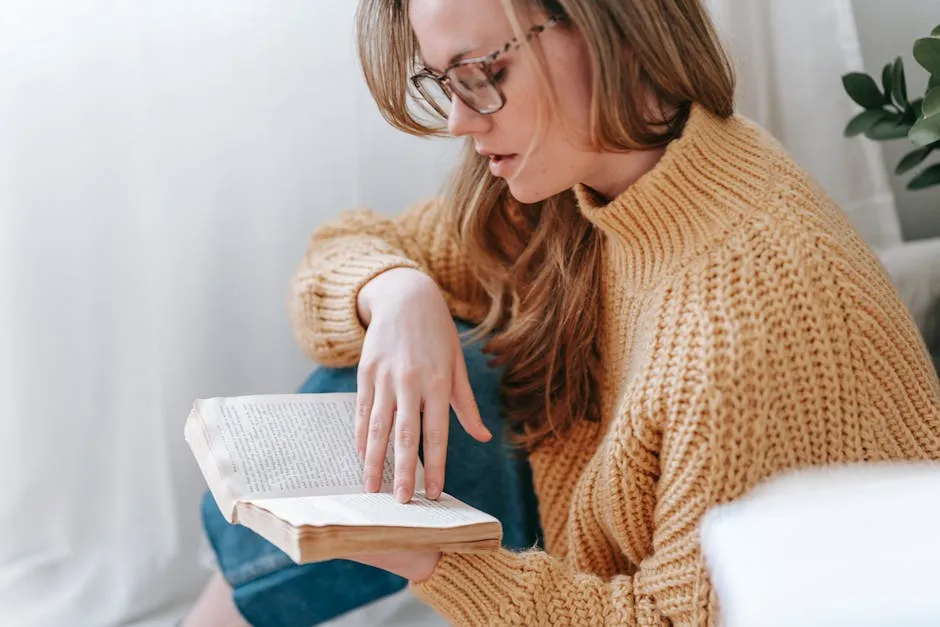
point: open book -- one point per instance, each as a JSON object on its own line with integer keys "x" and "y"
{"x": 286, "y": 467}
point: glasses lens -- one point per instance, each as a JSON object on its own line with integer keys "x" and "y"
{"x": 472, "y": 83}
{"x": 434, "y": 95}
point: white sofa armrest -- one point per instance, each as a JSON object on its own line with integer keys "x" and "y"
{"x": 793, "y": 552}
{"x": 915, "y": 269}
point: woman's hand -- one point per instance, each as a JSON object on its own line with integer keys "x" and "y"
{"x": 414, "y": 566}
{"x": 412, "y": 361}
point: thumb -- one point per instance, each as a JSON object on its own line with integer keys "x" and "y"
{"x": 465, "y": 405}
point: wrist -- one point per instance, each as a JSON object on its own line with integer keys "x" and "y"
{"x": 389, "y": 288}
{"x": 423, "y": 568}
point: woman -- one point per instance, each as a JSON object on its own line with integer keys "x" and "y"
{"x": 679, "y": 311}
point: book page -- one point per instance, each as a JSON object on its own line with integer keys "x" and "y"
{"x": 378, "y": 509}
{"x": 288, "y": 445}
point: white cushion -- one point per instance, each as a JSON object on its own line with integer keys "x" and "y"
{"x": 858, "y": 547}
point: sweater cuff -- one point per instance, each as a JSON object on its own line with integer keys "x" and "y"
{"x": 341, "y": 331}
{"x": 474, "y": 588}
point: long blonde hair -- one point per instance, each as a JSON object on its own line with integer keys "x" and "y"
{"x": 540, "y": 263}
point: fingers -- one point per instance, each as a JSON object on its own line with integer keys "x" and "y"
{"x": 465, "y": 405}
{"x": 365, "y": 392}
{"x": 407, "y": 430}
{"x": 380, "y": 424}
{"x": 394, "y": 387}
{"x": 436, "y": 423}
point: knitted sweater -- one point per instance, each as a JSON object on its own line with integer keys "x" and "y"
{"x": 746, "y": 329}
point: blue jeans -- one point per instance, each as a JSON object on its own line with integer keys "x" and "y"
{"x": 270, "y": 590}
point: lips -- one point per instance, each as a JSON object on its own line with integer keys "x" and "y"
{"x": 503, "y": 166}
{"x": 493, "y": 155}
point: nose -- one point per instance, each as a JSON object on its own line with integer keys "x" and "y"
{"x": 463, "y": 121}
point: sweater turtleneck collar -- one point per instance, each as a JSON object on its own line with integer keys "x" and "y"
{"x": 710, "y": 177}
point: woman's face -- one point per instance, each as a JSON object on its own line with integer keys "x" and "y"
{"x": 557, "y": 157}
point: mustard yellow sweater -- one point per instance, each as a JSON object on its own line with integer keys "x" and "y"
{"x": 747, "y": 331}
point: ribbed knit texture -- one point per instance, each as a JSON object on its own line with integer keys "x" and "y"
{"x": 747, "y": 331}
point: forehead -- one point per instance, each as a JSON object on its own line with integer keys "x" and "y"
{"x": 447, "y": 28}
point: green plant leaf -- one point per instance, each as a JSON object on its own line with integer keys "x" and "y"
{"x": 927, "y": 178}
{"x": 887, "y": 80}
{"x": 927, "y": 53}
{"x": 932, "y": 103}
{"x": 934, "y": 81}
{"x": 926, "y": 131}
{"x": 863, "y": 121}
{"x": 899, "y": 84}
{"x": 918, "y": 107}
{"x": 863, "y": 90}
{"x": 913, "y": 159}
{"x": 936, "y": 32}
{"x": 889, "y": 127}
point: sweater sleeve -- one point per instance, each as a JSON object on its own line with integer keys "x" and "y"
{"x": 345, "y": 254}
{"x": 536, "y": 588}
{"x": 530, "y": 588}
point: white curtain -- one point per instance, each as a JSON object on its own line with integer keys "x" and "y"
{"x": 161, "y": 164}
{"x": 790, "y": 56}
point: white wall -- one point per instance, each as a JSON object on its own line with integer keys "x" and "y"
{"x": 888, "y": 29}
{"x": 161, "y": 167}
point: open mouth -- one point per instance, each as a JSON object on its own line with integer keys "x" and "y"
{"x": 501, "y": 165}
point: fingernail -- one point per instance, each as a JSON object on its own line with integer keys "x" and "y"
{"x": 432, "y": 491}
{"x": 368, "y": 484}
{"x": 400, "y": 494}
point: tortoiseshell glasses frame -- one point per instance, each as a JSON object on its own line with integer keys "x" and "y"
{"x": 472, "y": 80}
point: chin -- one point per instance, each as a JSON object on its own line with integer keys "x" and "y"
{"x": 528, "y": 194}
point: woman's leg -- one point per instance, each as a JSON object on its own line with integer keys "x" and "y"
{"x": 215, "y": 607}
{"x": 270, "y": 590}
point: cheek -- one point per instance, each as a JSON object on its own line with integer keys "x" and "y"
{"x": 574, "y": 110}
{"x": 570, "y": 70}
{"x": 560, "y": 159}
{"x": 517, "y": 123}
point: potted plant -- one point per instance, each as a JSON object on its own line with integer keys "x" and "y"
{"x": 889, "y": 114}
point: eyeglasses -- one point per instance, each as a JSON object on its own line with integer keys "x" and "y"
{"x": 471, "y": 80}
